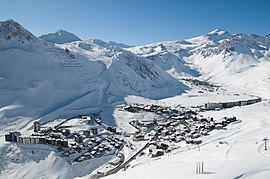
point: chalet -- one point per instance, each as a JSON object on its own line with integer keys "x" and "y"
{"x": 101, "y": 149}
{"x": 196, "y": 135}
{"x": 94, "y": 131}
{"x": 204, "y": 120}
{"x": 77, "y": 149}
{"x": 65, "y": 132}
{"x": 111, "y": 129}
{"x": 218, "y": 126}
{"x": 232, "y": 119}
{"x": 204, "y": 132}
{"x": 171, "y": 129}
{"x": 108, "y": 147}
{"x": 163, "y": 146}
{"x": 178, "y": 139}
{"x": 93, "y": 140}
{"x": 157, "y": 153}
{"x": 98, "y": 121}
{"x": 86, "y": 133}
{"x": 150, "y": 124}
{"x": 197, "y": 141}
{"x": 147, "y": 108}
{"x": 84, "y": 117}
{"x": 138, "y": 137}
{"x": 98, "y": 154}
{"x": 164, "y": 132}
{"x": 98, "y": 139}
{"x": 118, "y": 145}
{"x": 177, "y": 117}
{"x": 78, "y": 138}
{"x": 189, "y": 141}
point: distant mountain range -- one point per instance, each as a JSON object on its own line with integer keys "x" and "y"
{"x": 237, "y": 61}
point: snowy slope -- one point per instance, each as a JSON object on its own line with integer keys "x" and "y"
{"x": 41, "y": 161}
{"x": 60, "y": 37}
{"x": 171, "y": 55}
{"x": 237, "y": 61}
{"x": 71, "y": 79}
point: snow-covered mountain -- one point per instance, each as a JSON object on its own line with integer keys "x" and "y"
{"x": 41, "y": 79}
{"x": 81, "y": 75}
{"x": 13, "y": 35}
{"x": 60, "y": 37}
{"x": 239, "y": 61}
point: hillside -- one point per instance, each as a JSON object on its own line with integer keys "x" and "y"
{"x": 237, "y": 61}
{"x": 42, "y": 79}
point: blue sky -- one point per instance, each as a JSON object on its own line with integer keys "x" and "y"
{"x": 139, "y": 21}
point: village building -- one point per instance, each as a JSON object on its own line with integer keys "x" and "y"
{"x": 94, "y": 131}
{"x": 8, "y": 137}
{"x": 12, "y": 136}
{"x": 164, "y": 132}
{"x": 86, "y": 133}
{"x": 36, "y": 126}
{"x": 138, "y": 137}
{"x": 157, "y": 153}
{"x": 78, "y": 139}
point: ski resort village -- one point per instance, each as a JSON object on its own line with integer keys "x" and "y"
{"x": 162, "y": 131}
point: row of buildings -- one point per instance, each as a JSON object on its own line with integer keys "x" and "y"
{"x": 222, "y": 105}
{"x": 78, "y": 138}
{"x": 56, "y": 136}
{"x": 35, "y": 139}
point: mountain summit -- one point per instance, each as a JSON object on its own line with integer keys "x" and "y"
{"x": 218, "y": 34}
{"x": 60, "y": 37}
{"x": 10, "y": 30}
{"x": 13, "y": 35}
